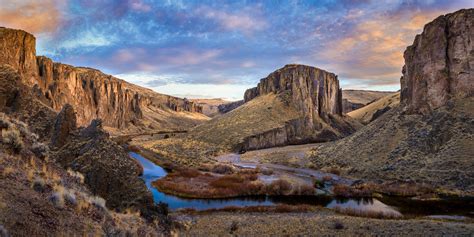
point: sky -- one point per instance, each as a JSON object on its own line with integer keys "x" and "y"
{"x": 218, "y": 49}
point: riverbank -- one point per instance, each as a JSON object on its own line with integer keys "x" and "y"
{"x": 319, "y": 223}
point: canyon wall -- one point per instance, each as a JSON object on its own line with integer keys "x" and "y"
{"x": 315, "y": 94}
{"x": 94, "y": 94}
{"x": 312, "y": 91}
{"x": 440, "y": 63}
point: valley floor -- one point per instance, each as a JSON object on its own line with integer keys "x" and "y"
{"x": 323, "y": 222}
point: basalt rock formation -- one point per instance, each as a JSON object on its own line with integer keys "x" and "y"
{"x": 315, "y": 94}
{"x": 296, "y": 104}
{"x": 440, "y": 63}
{"x": 119, "y": 104}
{"x": 428, "y": 138}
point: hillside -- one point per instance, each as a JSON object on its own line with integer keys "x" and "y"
{"x": 355, "y": 99}
{"x": 56, "y": 176}
{"x": 375, "y": 109}
{"x": 124, "y": 107}
{"x": 296, "y": 104}
{"x": 428, "y": 138}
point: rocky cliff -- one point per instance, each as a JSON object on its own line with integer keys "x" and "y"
{"x": 428, "y": 138}
{"x": 94, "y": 94}
{"x": 315, "y": 94}
{"x": 313, "y": 91}
{"x": 440, "y": 63}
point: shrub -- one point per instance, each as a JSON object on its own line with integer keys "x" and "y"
{"x": 337, "y": 225}
{"x": 39, "y": 184}
{"x": 233, "y": 227}
{"x": 40, "y": 149}
{"x": 334, "y": 170}
{"x": 12, "y": 137}
{"x": 327, "y": 178}
{"x": 318, "y": 184}
{"x": 8, "y": 170}
{"x": 279, "y": 187}
{"x": 341, "y": 190}
{"x": 77, "y": 175}
{"x": 57, "y": 199}
{"x": 70, "y": 197}
{"x": 187, "y": 173}
{"x": 222, "y": 169}
{"x": 305, "y": 190}
{"x": 368, "y": 213}
{"x": 267, "y": 171}
{"x": 98, "y": 202}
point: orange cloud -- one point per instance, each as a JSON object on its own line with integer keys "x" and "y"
{"x": 374, "y": 48}
{"x": 31, "y": 15}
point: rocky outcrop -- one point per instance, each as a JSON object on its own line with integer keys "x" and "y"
{"x": 313, "y": 91}
{"x": 17, "y": 49}
{"x": 97, "y": 95}
{"x": 348, "y": 106}
{"x": 440, "y": 63}
{"x": 108, "y": 169}
{"x": 315, "y": 94}
{"x": 94, "y": 94}
{"x": 64, "y": 125}
{"x": 227, "y": 107}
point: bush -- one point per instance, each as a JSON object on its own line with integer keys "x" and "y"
{"x": 70, "y": 197}
{"x": 57, "y": 199}
{"x": 12, "y": 137}
{"x": 337, "y": 225}
{"x": 98, "y": 202}
{"x": 318, "y": 184}
{"x": 187, "y": 173}
{"x": 77, "y": 175}
{"x": 39, "y": 184}
{"x": 279, "y": 187}
{"x": 334, "y": 170}
{"x": 222, "y": 169}
{"x": 40, "y": 149}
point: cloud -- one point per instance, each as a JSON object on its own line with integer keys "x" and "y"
{"x": 240, "y": 21}
{"x": 32, "y": 15}
{"x": 374, "y": 48}
{"x": 139, "y": 5}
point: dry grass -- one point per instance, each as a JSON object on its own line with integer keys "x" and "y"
{"x": 77, "y": 175}
{"x": 368, "y": 213}
{"x": 12, "y": 137}
{"x": 280, "y": 208}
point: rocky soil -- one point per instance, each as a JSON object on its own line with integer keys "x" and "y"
{"x": 40, "y": 198}
{"x": 34, "y": 141}
{"x": 317, "y": 223}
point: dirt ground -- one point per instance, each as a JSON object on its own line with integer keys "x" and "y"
{"x": 320, "y": 223}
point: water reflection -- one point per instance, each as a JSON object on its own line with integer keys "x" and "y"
{"x": 152, "y": 172}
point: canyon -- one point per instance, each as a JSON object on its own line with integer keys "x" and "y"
{"x": 124, "y": 107}
{"x": 70, "y": 138}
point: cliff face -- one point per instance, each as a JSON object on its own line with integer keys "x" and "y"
{"x": 17, "y": 49}
{"x": 428, "y": 138}
{"x": 94, "y": 94}
{"x": 294, "y": 105}
{"x": 440, "y": 63}
{"x": 313, "y": 91}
